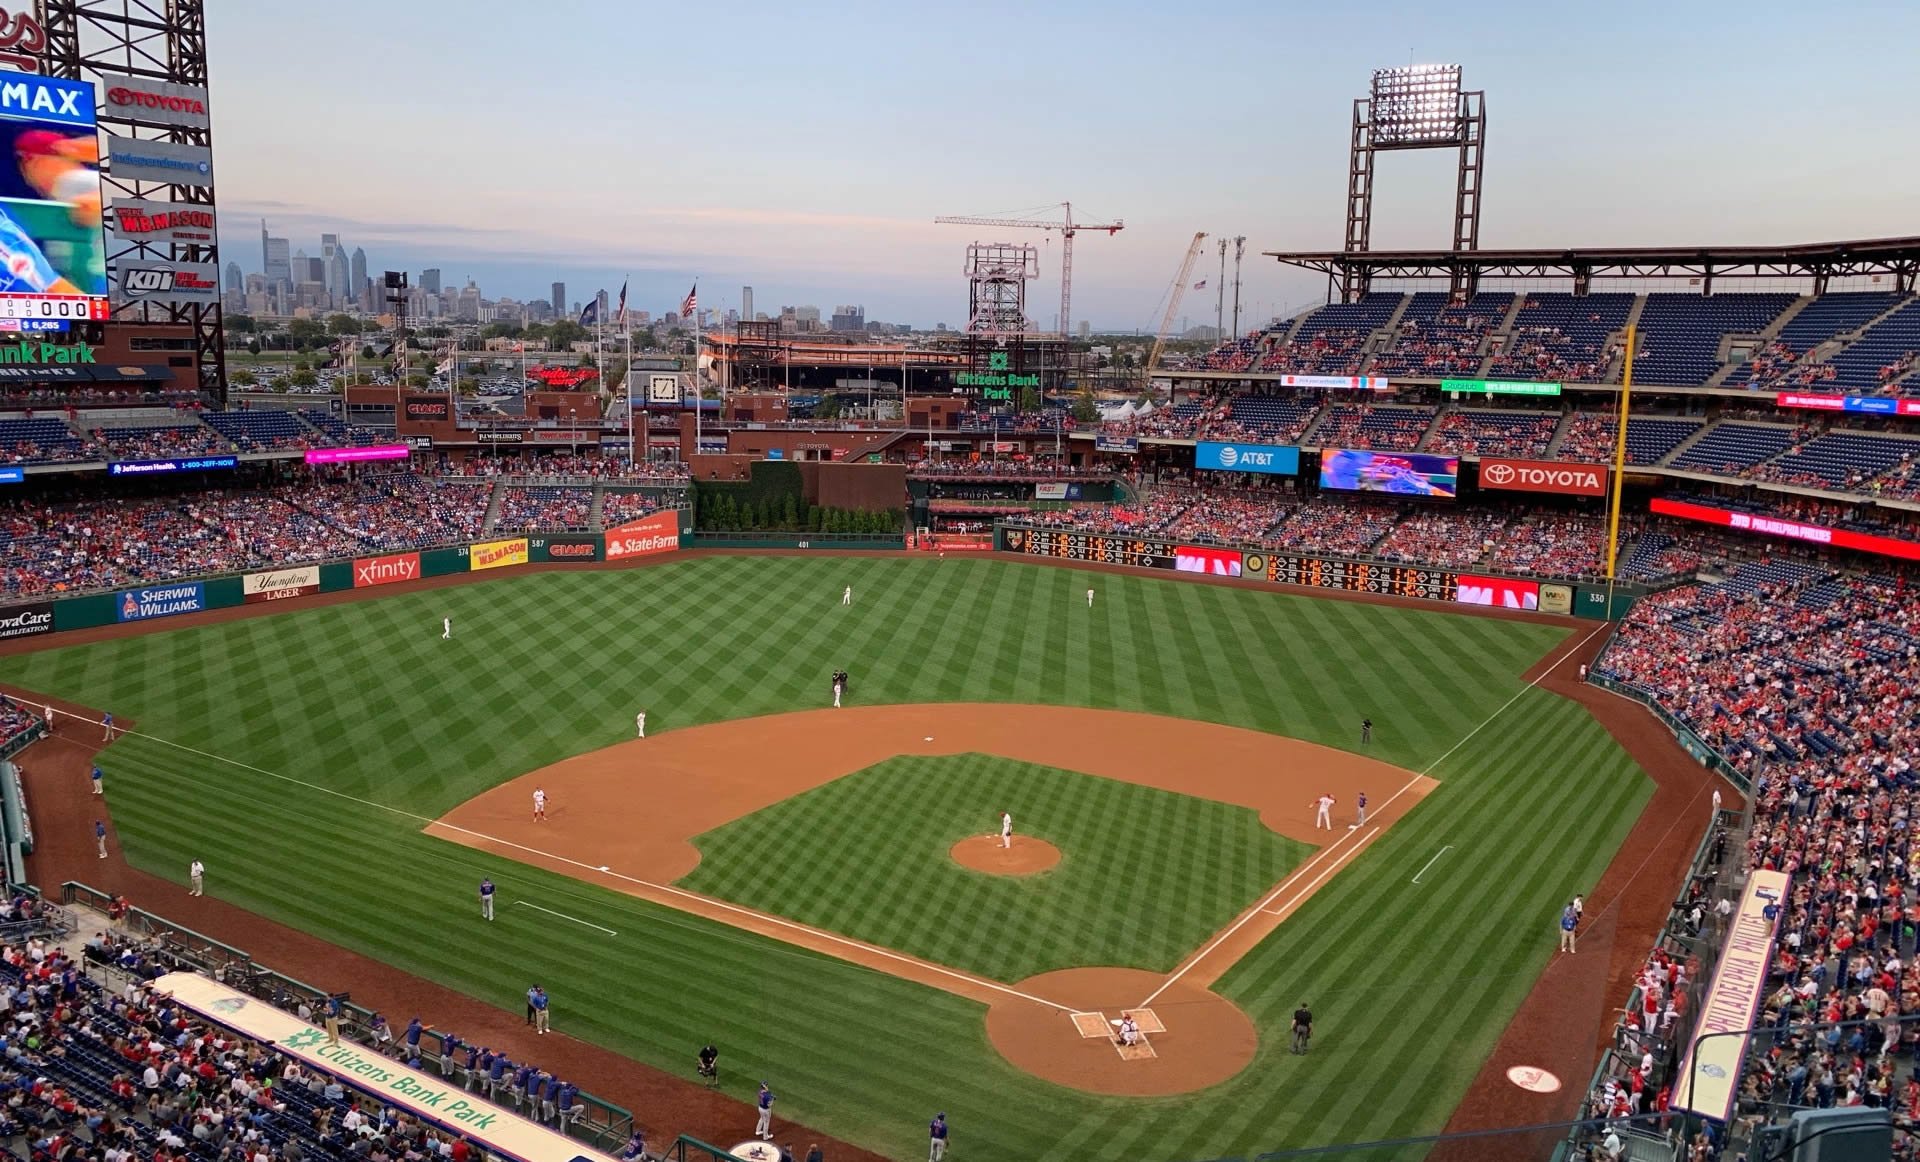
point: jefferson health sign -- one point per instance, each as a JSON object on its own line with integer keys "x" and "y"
{"x": 1543, "y": 476}
{"x": 161, "y": 601}
{"x": 1272, "y": 459}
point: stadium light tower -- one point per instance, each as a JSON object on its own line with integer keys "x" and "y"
{"x": 1415, "y": 107}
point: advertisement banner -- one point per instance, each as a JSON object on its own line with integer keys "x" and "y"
{"x": 426, "y": 407}
{"x": 1543, "y": 476}
{"x": 1338, "y": 382}
{"x": 1360, "y": 576}
{"x": 279, "y": 584}
{"x": 566, "y": 547}
{"x": 1499, "y": 387}
{"x": 1790, "y": 529}
{"x": 386, "y": 570}
{"x": 1050, "y": 491}
{"x": 161, "y": 601}
{"x": 425, "y": 1096}
{"x": 159, "y": 161}
{"x": 499, "y": 437}
{"x": 151, "y": 102}
{"x": 1270, "y": 459}
{"x": 1401, "y": 473}
{"x": 1116, "y": 443}
{"x": 1709, "y": 1074}
{"x": 497, "y": 554}
{"x": 356, "y": 455}
{"x": 173, "y": 283}
{"x": 155, "y": 467}
{"x": 1871, "y": 404}
{"x": 29, "y": 620}
{"x": 138, "y": 220}
{"x": 657, "y": 533}
{"x": 13, "y": 475}
{"x": 1196, "y": 559}
{"x": 1556, "y": 599}
{"x": 1503, "y": 592}
{"x": 50, "y": 197}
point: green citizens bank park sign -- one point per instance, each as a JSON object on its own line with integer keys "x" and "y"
{"x": 41, "y": 353}
{"x": 999, "y": 382}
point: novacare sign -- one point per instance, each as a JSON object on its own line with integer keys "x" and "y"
{"x": 1272, "y": 459}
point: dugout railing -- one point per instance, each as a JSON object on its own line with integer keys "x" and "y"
{"x": 597, "y": 1121}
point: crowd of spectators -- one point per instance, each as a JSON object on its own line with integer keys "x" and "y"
{"x": 1453, "y": 538}
{"x": 1553, "y": 545}
{"x": 1230, "y": 520}
{"x": 1151, "y": 515}
{"x": 15, "y": 720}
{"x": 570, "y": 465}
{"x": 270, "y": 531}
{"x": 1479, "y": 433}
{"x": 1549, "y": 354}
{"x": 160, "y": 443}
{"x": 541, "y": 509}
{"x": 1330, "y": 351}
{"x": 617, "y": 508}
{"x": 1012, "y": 466}
{"x": 1384, "y": 429}
{"x": 1336, "y": 527}
{"x": 104, "y": 543}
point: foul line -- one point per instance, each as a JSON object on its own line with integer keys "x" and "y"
{"x": 564, "y": 916}
{"x": 1430, "y": 863}
{"x": 1261, "y": 907}
{"x": 1303, "y": 893}
{"x": 664, "y": 889}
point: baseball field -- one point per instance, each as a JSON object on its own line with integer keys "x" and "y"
{"x": 812, "y": 889}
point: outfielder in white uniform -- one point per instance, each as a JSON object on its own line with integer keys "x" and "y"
{"x": 836, "y": 694}
{"x": 446, "y": 628}
{"x": 1324, "y": 816}
{"x": 1006, "y": 829}
{"x": 1089, "y": 599}
{"x": 846, "y": 598}
{"x": 197, "y": 875}
{"x": 539, "y": 805}
{"x": 640, "y": 723}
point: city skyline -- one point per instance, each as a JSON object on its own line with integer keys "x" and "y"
{"x": 1667, "y": 138}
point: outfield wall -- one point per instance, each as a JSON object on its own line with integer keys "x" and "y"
{"x": 1253, "y": 565}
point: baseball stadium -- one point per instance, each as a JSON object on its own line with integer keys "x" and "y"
{"x": 1445, "y": 722}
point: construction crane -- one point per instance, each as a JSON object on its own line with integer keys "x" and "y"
{"x": 1067, "y": 227}
{"x": 1174, "y": 296}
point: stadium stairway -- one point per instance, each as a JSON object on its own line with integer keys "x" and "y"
{"x": 597, "y": 510}
{"x": 1559, "y": 434}
{"x": 1433, "y": 429}
{"x": 1766, "y": 335}
{"x": 1307, "y": 439}
{"x": 496, "y": 493}
{"x": 1681, "y": 448}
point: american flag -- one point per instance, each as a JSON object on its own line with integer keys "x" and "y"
{"x": 691, "y": 303}
{"x": 620, "y": 315}
{"x": 1201, "y": 285}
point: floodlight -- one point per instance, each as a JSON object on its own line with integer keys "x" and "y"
{"x": 1417, "y": 105}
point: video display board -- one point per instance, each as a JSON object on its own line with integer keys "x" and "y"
{"x": 52, "y": 246}
{"x": 1401, "y": 473}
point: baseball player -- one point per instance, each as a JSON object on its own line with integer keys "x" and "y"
{"x": 837, "y": 687}
{"x": 1366, "y": 731}
{"x": 640, "y": 724}
{"x": 1129, "y": 1030}
{"x": 486, "y": 898}
{"x": 539, "y": 805}
{"x": 1089, "y": 599}
{"x": 1323, "y": 817}
{"x": 937, "y": 1132}
{"x": 197, "y": 876}
{"x": 1006, "y": 829}
{"x": 764, "y": 1127}
{"x": 100, "y": 836}
{"x": 1360, "y": 811}
{"x": 106, "y": 727}
{"x": 537, "y": 997}
{"x": 846, "y": 596}
{"x": 98, "y": 780}
{"x": 1569, "y": 920}
{"x": 446, "y": 628}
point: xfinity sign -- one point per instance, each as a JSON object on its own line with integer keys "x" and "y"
{"x": 1271, "y": 459}
{"x": 1543, "y": 476}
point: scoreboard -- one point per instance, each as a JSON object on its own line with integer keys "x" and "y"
{"x": 1280, "y": 569}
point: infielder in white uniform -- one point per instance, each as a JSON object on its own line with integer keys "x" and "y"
{"x": 446, "y": 628}
{"x": 1006, "y": 829}
{"x": 640, "y": 723}
{"x": 539, "y": 805}
{"x": 1324, "y": 816}
{"x": 197, "y": 875}
{"x": 846, "y": 598}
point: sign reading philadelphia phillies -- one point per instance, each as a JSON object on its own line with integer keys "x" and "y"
{"x": 164, "y": 601}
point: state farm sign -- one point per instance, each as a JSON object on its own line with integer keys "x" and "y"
{"x": 659, "y": 533}
{"x": 1544, "y": 476}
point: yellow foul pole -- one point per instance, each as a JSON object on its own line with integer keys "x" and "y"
{"x": 1619, "y": 468}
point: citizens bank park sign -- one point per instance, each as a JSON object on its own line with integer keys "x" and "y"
{"x": 1543, "y": 476}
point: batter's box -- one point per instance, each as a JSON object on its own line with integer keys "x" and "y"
{"x": 1141, "y": 1050}
{"x": 1147, "y": 1019}
{"x": 1091, "y": 1024}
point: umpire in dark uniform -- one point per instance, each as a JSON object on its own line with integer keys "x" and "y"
{"x": 1302, "y": 1027}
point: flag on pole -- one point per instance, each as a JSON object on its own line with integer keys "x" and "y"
{"x": 620, "y": 315}
{"x": 1201, "y": 285}
{"x": 590, "y": 314}
{"x": 691, "y": 303}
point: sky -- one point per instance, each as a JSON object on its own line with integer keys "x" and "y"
{"x": 805, "y": 150}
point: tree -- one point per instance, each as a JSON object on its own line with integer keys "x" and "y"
{"x": 790, "y": 518}
{"x": 419, "y": 380}
{"x": 828, "y": 408}
{"x": 367, "y": 352}
{"x": 1029, "y": 400}
{"x": 241, "y": 323}
{"x": 500, "y": 330}
{"x": 342, "y": 324}
{"x": 469, "y": 385}
{"x": 243, "y": 378}
{"x": 303, "y": 379}
{"x": 253, "y": 346}
{"x": 306, "y": 334}
{"x": 564, "y": 333}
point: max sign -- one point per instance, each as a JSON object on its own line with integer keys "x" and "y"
{"x": 1543, "y": 476}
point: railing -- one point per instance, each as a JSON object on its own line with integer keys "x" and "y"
{"x": 596, "y": 1120}
{"x": 1689, "y": 741}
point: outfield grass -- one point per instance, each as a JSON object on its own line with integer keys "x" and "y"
{"x": 1411, "y": 984}
{"x": 1145, "y": 875}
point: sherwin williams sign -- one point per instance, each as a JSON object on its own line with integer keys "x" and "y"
{"x": 659, "y": 533}
{"x": 497, "y": 554}
{"x": 164, "y": 601}
{"x": 432, "y": 1099}
{"x": 1272, "y": 459}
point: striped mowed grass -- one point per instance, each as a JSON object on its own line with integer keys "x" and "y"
{"x": 300, "y": 754}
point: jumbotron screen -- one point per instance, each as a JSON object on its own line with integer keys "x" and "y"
{"x": 1402, "y": 473}
{"x": 52, "y": 252}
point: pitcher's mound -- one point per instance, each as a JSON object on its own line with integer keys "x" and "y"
{"x": 983, "y": 853}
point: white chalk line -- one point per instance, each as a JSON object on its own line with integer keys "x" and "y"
{"x": 1303, "y": 893}
{"x": 1430, "y": 863}
{"x": 1261, "y": 907}
{"x": 564, "y": 916}
{"x": 664, "y": 889}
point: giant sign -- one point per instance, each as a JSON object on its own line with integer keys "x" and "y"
{"x": 1709, "y": 1074}
{"x": 161, "y": 601}
{"x": 1271, "y": 459}
{"x": 159, "y": 161}
{"x": 1543, "y": 476}
{"x": 150, "y": 102}
{"x": 279, "y": 584}
{"x": 138, "y": 220}
{"x": 174, "y": 283}
{"x": 426, "y": 407}
{"x": 656, "y": 533}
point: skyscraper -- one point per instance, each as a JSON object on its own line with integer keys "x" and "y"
{"x": 559, "y": 299}
{"x": 274, "y": 261}
{"x": 357, "y": 274}
{"x": 600, "y": 301}
{"x": 236, "y": 282}
{"x": 746, "y": 303}
{"x": 329, "y": 250}
{"x": 430, "y": 280}
{"x": 339, "y": 276}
